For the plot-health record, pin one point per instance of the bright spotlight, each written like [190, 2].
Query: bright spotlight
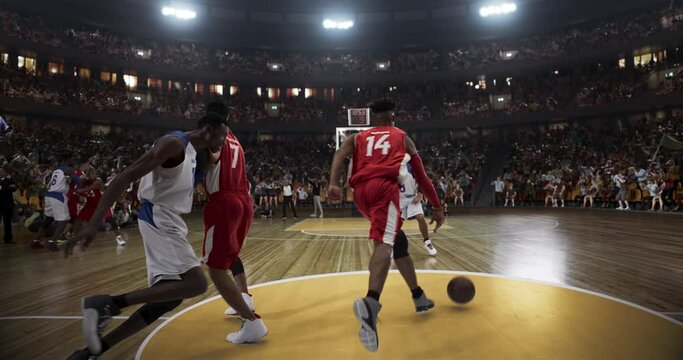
[182, 14]
[500, 9]
[339, 25]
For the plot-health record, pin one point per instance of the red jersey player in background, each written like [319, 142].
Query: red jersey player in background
[92, 190]
[227, 217]
[380, 158]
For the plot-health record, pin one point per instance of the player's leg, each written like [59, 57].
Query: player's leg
[240, 278]
[284, 208]
[424, 228]
[292, 205]
[37, 243]
[114, 226]
[144, 316]
[161, 297]
[319, 206]
[239, 275]
[405, 266]
[223, 242]
[380, 206]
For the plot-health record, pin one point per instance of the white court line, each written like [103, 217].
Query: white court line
[47, 317]
[297, 223]
[673, 313]
[436, 236]
[451, 272]
[346, 235]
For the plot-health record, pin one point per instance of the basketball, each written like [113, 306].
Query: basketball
[461, 290]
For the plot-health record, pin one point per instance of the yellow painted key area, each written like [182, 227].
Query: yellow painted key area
[312, 318]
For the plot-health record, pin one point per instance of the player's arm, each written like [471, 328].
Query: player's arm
[344, 151]
[418, 198]
[424, 183]
[98, 184]
[167, 148]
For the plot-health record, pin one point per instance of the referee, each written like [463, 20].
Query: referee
[7, 188]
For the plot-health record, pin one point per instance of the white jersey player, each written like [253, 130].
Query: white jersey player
[56, 204]
[411, 208]
[168, 177]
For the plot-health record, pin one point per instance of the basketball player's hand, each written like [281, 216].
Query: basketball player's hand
[438, 218]
[85, 237]
[334, 193]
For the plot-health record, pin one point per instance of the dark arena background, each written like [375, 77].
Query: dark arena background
[550, 130]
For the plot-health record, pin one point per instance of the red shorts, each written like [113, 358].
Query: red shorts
[227, 218]
[378, 201]
[86, 212]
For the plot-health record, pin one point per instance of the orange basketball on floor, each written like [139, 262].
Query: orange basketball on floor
[461, 290]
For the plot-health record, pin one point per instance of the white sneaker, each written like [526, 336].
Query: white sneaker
[321, 216]
[314, 216]
[620, 208]
[627, 208]
[247, 299]
[430, 248]
[250, 332]
[120, 241]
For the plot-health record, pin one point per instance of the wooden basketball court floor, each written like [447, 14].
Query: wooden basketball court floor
[545, 278]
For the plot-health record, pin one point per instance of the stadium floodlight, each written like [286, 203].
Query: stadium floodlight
[330, 24]
[500, 9]
[179, 13]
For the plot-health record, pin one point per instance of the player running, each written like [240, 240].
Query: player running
[411, 208]
[227, 217]
[167, 173]
[380, 158]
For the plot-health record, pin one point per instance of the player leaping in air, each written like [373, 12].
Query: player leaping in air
[380, 158]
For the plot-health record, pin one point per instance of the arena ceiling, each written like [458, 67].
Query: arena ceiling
[296, 24]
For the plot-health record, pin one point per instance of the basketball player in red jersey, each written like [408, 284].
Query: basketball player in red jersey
[380, 158]
[73, 199]
[227, 217]
[92, 190]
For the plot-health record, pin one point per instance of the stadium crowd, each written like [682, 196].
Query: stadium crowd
[192, 56]
[588, 87]
[610, 163]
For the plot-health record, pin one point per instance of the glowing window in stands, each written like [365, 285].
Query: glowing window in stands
[84, 73]
[28, 63]
[131, 81]
[55, 68]
[216, 89]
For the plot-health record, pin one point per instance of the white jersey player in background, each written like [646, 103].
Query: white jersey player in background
[56, 204]
[411, 208]
[168, 175]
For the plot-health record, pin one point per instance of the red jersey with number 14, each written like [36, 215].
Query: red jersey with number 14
[230, 172]
[379, 153]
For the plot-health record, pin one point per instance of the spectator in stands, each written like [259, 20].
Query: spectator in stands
[498, 186]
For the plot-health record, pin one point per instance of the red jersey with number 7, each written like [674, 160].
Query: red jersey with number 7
[379, 153]
[230, 172]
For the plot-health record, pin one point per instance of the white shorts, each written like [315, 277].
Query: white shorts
[56, 208]
[410, 210]
[167, 250]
